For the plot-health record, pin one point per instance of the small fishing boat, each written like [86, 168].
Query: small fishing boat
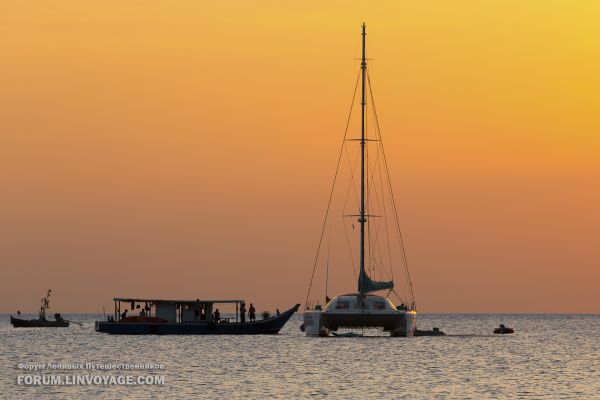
[501, 330]
[188, 317]
[433, 332]
[41, 321]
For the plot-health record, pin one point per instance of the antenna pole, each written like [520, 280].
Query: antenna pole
[362, 219]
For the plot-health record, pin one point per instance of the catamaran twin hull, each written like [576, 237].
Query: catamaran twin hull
[321, 323]
[346, 312]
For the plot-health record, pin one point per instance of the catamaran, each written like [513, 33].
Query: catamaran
[363, 309]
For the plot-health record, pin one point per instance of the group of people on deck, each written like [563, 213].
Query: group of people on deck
[251, 313]
[200, 312]
[144, 311]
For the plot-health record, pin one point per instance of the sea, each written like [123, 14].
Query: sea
[549, 356]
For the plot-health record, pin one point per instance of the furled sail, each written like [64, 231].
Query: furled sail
[366, 284]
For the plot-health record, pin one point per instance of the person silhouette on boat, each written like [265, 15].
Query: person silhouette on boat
[143, 313]
[252, 313]
[197, 307]
[217, 316]
[243, 312]
[124, 314]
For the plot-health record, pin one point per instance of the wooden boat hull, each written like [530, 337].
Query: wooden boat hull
[260, 327]
[36, 323]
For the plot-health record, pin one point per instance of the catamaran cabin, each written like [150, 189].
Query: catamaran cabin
[351, 303]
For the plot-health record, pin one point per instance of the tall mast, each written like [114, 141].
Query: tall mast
[362, 219]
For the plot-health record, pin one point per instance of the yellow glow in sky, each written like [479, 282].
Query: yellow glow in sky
[179, 149]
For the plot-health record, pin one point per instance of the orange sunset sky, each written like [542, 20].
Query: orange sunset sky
[186, 149]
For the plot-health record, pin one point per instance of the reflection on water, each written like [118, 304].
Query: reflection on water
[549, 356]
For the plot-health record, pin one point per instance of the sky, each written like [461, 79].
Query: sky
[186, 149]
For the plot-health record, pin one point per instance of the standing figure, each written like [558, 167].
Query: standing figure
[252, 313]
[243, 312]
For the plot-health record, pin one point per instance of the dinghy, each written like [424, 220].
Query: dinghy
[502, 330]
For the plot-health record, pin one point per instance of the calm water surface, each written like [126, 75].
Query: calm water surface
[549, 356]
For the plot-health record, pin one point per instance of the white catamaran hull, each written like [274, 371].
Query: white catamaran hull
[377, 312]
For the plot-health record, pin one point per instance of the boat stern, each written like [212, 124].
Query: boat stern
[314, 323]
[409, 327]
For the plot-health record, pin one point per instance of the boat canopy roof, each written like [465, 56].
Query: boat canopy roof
[129, 300]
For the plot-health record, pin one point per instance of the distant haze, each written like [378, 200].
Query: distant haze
[186, 149]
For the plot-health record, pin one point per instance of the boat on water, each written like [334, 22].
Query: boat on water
[433, 332]
[363, 309]
[59, 322]
[503, 330]
[188, 317]
[41, 321]
[356, 310]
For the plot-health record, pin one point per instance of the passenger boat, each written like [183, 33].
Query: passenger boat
[188, 317]
[41, 321]
[377, 217]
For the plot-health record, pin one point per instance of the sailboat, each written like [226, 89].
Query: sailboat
[364, 309]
